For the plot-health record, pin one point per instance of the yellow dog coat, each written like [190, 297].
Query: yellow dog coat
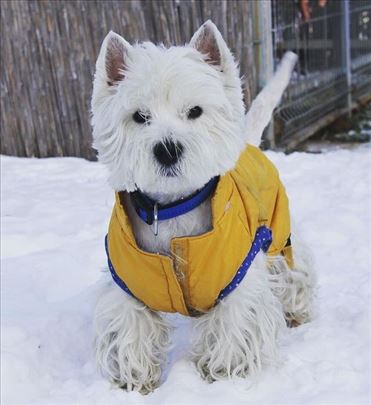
[249, 211]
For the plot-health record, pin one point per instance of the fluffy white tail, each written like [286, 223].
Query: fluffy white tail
[262, 107]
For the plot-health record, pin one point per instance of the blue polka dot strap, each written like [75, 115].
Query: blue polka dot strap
[263, 239]
[114, 275]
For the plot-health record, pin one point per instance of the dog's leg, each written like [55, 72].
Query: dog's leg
[239, 334]
[131, 341]
[295, 288]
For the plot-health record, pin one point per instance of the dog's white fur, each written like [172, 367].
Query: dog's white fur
[238, 335]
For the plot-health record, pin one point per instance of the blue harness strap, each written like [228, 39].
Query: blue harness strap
[263, 239]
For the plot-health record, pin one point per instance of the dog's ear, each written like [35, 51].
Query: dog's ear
[112, 59]
[209, 41]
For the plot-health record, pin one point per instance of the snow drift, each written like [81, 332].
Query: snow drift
[54, 215]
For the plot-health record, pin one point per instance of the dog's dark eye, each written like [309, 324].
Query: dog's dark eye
[194, 112]
[140, 117]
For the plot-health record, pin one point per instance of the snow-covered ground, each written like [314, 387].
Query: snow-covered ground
[54, 215]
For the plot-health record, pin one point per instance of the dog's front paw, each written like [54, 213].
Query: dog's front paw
[238, 336]
[130, 365]
[215, 361]
[140, 383]
[211, 374]
[131, 342]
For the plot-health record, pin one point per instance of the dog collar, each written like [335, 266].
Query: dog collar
[150, 211]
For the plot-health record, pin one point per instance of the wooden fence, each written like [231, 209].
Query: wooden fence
[48, 53]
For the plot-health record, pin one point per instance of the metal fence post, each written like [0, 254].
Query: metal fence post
[346, 53]
[263, 32]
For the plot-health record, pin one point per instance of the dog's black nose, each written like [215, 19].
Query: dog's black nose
[167, 152]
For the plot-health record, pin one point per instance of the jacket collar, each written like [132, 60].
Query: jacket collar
[219, 204]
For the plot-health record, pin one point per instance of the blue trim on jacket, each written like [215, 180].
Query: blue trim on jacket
[263, 239]
[114, 275]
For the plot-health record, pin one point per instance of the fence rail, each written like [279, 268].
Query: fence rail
[48, 52]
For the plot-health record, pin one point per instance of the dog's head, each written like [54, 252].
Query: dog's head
[167, 120]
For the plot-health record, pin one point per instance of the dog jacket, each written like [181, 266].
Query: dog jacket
[249, 212]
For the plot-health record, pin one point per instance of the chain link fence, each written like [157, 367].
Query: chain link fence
[333, 42]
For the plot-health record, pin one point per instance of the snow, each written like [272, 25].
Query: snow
[54, 215]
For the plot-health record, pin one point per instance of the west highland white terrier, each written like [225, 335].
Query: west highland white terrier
[201, 223]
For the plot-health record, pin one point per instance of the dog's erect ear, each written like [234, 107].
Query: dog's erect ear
[209, 41]
[112, 58]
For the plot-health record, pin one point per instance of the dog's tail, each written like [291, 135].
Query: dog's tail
[259, 115]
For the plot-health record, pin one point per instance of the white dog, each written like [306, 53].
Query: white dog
[170, 125]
